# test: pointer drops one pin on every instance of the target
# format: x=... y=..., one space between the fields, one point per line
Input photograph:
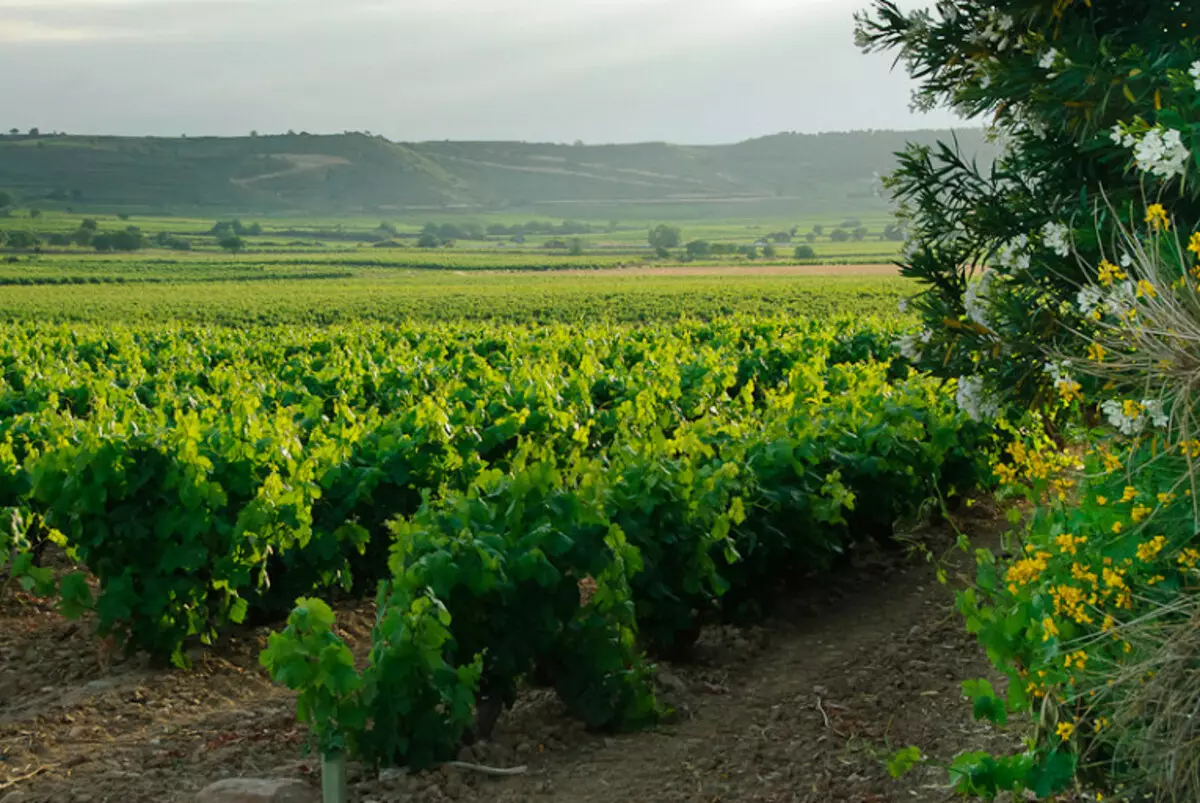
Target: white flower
x=1126 y=261
x=903 y=305
x=1122 y=298
x=976 y=300
x=1088 y=299
x=1126 y=425
x=1048 y=58
x=909 y=347
x=926 y=336
x=1131 y=418
x=1120 y=137
x=1057 y=370
x=1195 y=73
x=1057 y=238
x=1014 y=254
x=1154 y=409
x=1161 y=152
x=974 y=400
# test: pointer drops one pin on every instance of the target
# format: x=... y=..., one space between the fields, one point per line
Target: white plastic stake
x=334 y=788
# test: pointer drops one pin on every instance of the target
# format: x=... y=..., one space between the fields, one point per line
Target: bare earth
x=748 y=270
x=804 y=708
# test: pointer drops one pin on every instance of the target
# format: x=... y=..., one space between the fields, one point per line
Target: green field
x=391 y=295
x=394 y=241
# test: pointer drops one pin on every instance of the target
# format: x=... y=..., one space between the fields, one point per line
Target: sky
x=687 y=71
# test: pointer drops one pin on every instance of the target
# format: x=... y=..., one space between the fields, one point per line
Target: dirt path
x=800 y=709
x=741 y=270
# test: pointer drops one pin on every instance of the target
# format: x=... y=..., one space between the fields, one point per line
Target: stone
x=258 y=790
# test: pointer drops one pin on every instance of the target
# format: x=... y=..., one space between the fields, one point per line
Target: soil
x=746 y=270
x=805 y=707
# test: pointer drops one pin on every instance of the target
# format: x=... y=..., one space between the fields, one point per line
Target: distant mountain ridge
x=358 y=173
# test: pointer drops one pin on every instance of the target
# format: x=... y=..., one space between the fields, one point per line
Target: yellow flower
x=1156 y=216
x=1108 y=273
x=1146 y=290
x=1069 y=390
x=1149 y=550
x=1067 y=543
x=1189 y=558
x=1190 y=448
x=1101 y=500
x=1006 y=474
x=1049 y=629
x=1117 y=527
x=1165 y=499
x=1194 y=244
x=1078 y=659
x=1064 y=730
x=1139 y=512
x=1096 y=352
x=1130 y=494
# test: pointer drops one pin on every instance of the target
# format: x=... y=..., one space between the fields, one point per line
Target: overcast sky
x=691 y=71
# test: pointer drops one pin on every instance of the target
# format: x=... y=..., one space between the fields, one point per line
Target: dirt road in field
x=742 y=270
x=802 y=708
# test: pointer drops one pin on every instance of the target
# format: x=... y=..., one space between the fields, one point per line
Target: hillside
x=350 y=173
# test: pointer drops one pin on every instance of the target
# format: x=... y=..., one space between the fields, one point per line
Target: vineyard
x=270 y=297
x=554 y=505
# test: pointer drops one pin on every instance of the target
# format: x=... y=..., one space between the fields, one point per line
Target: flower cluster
x=1057 y=238
x=911 y=345
x=976 y=300
x=1068 y=388
x=975 y=400
x=1161 y=153
x=1132 y=417
x=1195 y=73
x=1014 y=254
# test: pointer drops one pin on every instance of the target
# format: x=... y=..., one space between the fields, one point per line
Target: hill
x=357 y=173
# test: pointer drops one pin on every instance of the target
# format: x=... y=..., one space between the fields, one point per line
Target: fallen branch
x=27 y=776
x=825 y=716
x=499 y=771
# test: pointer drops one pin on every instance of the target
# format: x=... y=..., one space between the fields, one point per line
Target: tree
x=89 y=224
x=122 y=216
x=769 y=251
x=82 y=237
x=130 y=239
x=860 y=233
x=818 y=230
x=1096 y=103
x=804 y=252
x=35 y=213
x=6 y=199
x=699 y=249
x=894 y=232
x=232 y=243
x=22 y=240
x=811 y=237
x=839 y=236
x=14 y=131
x=33 y=132
x=663 y=237
x=429 y=240
x=748 y=251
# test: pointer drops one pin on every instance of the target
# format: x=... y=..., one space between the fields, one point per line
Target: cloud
x=23 y=31
x=598 y=70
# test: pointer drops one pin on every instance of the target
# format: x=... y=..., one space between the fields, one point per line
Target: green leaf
x=902 y=761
